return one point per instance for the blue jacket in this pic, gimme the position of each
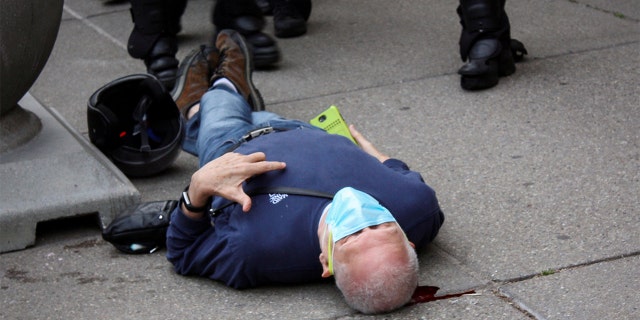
(276, 241)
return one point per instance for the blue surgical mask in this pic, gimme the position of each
(351, 211)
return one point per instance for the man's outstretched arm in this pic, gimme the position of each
(392, 163)
(366, 145)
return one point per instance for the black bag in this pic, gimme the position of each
(141, 228)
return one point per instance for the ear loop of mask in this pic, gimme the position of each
(330, 247)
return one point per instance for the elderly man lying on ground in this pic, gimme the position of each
(270, 230)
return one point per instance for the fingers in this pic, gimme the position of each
(248, 165)
(254, 164)
(246, 204)
(253, 157)
(238, 195)
(257, 164)
(357, 135)
(353, 130)
(360, 139)
(260, 158)
(225, 175)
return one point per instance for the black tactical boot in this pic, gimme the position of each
(161, 61)
(290, 17)
(245, 17)
(486, 44)
(265, 6)
(153, 38)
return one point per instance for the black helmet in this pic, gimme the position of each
(135, 122)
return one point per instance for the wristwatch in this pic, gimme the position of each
(187, 202)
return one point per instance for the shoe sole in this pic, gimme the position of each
(257, 103)
(182, 74)
(291, 32)
(503, 66)
(265, 60)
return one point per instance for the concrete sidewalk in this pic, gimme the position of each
(539, 177)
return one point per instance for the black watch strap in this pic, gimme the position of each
(187, 202)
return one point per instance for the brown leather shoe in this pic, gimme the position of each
(193, 77)
(235, 64)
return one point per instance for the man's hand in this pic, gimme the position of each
(224, 177)
(366, 145)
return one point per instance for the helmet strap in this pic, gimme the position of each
(140, 116)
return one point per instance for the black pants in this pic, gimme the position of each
(492, 14)
(156, 18)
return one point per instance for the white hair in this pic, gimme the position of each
(388, 287)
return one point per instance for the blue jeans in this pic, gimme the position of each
(224, 117)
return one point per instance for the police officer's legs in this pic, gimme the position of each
(153, 38)
(246, 17)
(290, 17)
(486, 44)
